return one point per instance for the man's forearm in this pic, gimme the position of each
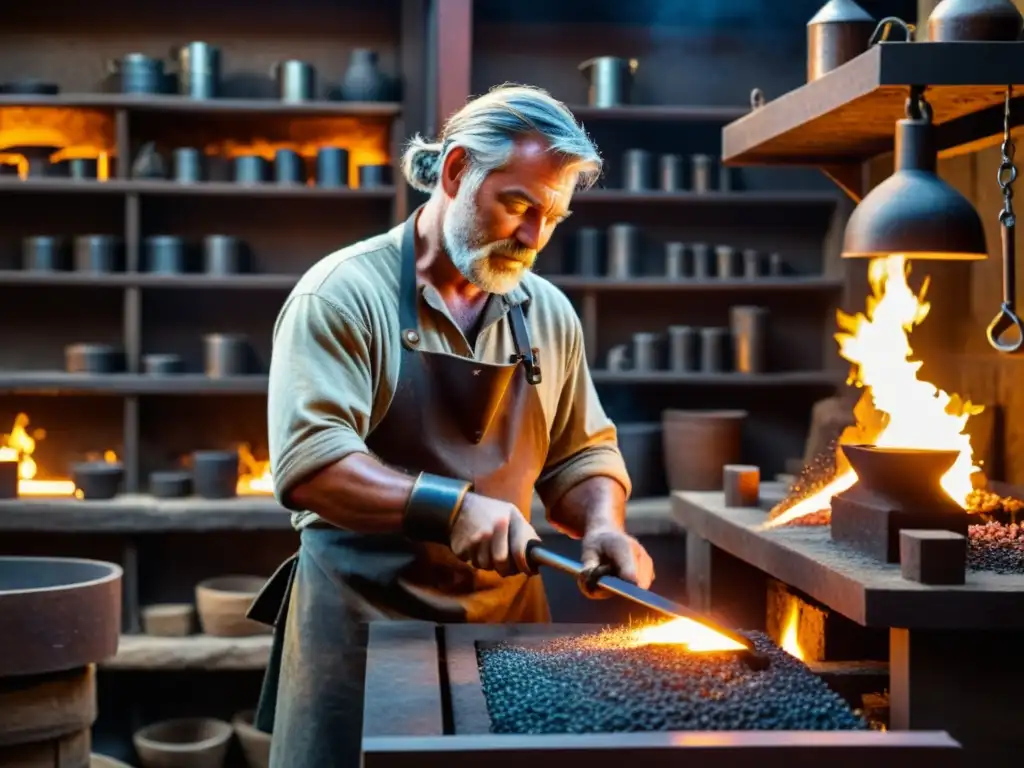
(357, 493)
(597, 502)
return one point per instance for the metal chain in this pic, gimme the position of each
(1007, 170)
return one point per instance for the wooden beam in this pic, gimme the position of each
(849, 178)
(454, 55)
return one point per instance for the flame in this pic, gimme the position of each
(790, 640)
(74, 133)
(911, 413)
(254, 476)
(19, 446)
(693, 635)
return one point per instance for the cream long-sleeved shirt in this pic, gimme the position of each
(335, 366)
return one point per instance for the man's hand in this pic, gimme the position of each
(615, 548)
(492, 535)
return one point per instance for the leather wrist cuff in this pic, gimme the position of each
(432, 506)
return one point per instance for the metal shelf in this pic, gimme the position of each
(659, 113)
(760, 199)
(781, 379)
(149, 188)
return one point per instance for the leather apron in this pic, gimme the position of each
(451, 416)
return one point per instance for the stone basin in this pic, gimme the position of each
(57, 613)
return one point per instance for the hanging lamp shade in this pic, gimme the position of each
(914, 213)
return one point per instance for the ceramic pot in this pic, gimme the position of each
(222, 603)
(255, 743)
(974, 21)
(102, 761)
(197, 742)
(215, 474)
(698, 444)
(363, 79)
(168, 619)
(98, 479)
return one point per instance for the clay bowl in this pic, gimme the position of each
(255, 743)
(194, 742)
(102, 761)
(900, 472)
(168, 619)
(98, 479)
(222, 603)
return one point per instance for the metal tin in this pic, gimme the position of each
(618, 358)
(222, 255)
(725, 178)
(188, 164)
(611, 80)
(701, 261)
(623, 250)
(215, 474)
(589, 248)
(162, 364)
(98, 479)
(139, 73)
(713, 350)
(682, 348)
(225, 354)
(332, 167)
(98, 253)
(250, 169)
(670, 173)
(198, 70)
(93, 358)
(170, 485)
(82, 168)
(749, 338)
(838, 32)
(371, 176)
(700, 170)
(44, 253)
(645, 352)
(289, 167)
(751, 264)
(725, 259)
(636, 170)
(776, 266)
(974, 20)
(164, 254)
(675, 261)
(296, 81)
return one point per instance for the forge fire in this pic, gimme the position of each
(645, 679)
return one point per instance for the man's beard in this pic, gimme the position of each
(496, 267)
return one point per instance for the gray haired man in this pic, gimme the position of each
(423, 384)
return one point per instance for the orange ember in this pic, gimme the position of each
(690, 634)
(74, 133)
(254, 476)
(897, 409)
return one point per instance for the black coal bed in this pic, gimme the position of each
(461, 695)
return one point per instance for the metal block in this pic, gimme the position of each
(933, 556)
(742, 484)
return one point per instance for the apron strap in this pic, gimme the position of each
(521, 340)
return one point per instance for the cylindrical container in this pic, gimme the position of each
(749, 338)
(623, 250)
(188, 165)
(296, 81)
(83, 168)
(670, 173)
(198, 70)
(725, 178)
(974, 21)
(698, 444)
(702, 268)
(645, 352)
(165, 254)
(640, 445)
(162, 364)
(139, 73)
(164, 619)
(250, 169)
(675, 261)
(700, 173)
(838, 32)
(93, 358)
(618, 358)
(775, 265)
(725, 260)
(751, 264)
(589, 241)
(98, 479)
(215, 474)
(170, 485)
(611, 80)
(371, 176)
(10, 473)
(636, 170)
(713, 349)
(289, 167)
(195, 742)
(97, 254)
(44, 253)
(222, 255)
(224, 354)
(682, 348)
(742, 485)
(332, 167)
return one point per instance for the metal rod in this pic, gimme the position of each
(538, 555)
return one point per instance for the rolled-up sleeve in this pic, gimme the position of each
(584, 442)
(320, 390)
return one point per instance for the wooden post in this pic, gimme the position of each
(454, 55)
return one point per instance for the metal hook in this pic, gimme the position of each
(1005, 320)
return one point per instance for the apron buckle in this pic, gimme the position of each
(529, 361)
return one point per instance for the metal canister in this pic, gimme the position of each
(749, 338)
(751, 264)
(44, 253)
(289, 167)
(838, 32)
(611, 80)
(98, 254)
(139, 73)
(222, 255)
(332, 167)
(682, 348)
(675, 261)
(164, 254)
(645, 352)
(188, 165)
(296, 81)
(700, 173)
(713, 343)
(225, 354)
(198, 70)
(701, 260)
(636, 170)
(974, 21)
(250, 169)
(374, 175)
(589, 243)
(623, 250)
(670, 173)
(725, 259)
